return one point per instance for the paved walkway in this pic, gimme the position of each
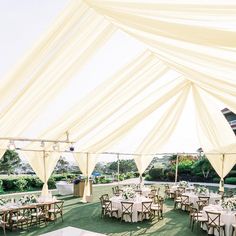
(136, 181)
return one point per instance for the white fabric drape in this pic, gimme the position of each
(43, 164)
(199, 43)
(110, 94)
(86, 163)
(215, 134)
(59, 55)
(161, 132)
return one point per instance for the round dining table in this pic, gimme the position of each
(116, 203)
(226, 217)
(193, 198)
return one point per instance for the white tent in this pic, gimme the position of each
(189, 54)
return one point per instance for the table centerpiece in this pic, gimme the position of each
(229, 204)
(128, 193)
(201, 190)
(183, 184)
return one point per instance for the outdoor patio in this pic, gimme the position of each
(88, 217)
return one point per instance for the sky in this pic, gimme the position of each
(22, 23)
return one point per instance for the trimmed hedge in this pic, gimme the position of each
(30, 183)
(230, 180)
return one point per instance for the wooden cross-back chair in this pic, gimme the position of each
(109, 209)
(214, 221)
(127, 209)
(146, 212)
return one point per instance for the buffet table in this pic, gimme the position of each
(64, 188)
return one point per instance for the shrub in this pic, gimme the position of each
(129, 175)
(148, 177)
(1, 187)
(156, 173)
(108, 180)
(170, 175)
(136, 174)
(230, 180)
(21, 184)
(216, 180)
(232, 173)
(51, 183)
(8, 184)
(38, 183)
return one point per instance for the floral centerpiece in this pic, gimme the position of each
(3, 202)
(27, 199)
(201, 190)
(128, 193)
(229, 204)
(183, 184)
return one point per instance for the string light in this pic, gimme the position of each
(11, 145)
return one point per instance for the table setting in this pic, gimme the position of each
(129, 195)
(227, 208)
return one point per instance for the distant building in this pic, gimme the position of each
(230, 117)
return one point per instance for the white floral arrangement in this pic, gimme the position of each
(27, 199)
(183, 184)
(128, 193)
(229, 204)
(201, 190)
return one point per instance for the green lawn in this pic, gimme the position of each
(87, 216)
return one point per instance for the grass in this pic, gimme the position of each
(87, 216)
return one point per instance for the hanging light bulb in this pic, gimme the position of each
(11, 145)
(56, 147)
(71, 147)
(42, 144)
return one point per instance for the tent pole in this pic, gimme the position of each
(222, 173)
(118, 168)
(176, 169)
(44, 168)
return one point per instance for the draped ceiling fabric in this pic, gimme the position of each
(216, 135)
(68, 45)
(195, 38)
(44, 72)
(161, 132)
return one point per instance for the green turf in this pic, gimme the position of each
(87, 216)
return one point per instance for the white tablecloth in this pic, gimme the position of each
(72, 232)
(175, 187)
(193, 198)
(116, 202)
(227, 218)
(145, 191)
(64, 188)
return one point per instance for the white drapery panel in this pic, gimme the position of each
(43, 164)
(227, 99)
(208, 58)
(86, 163)
(161, 132)
(215, 134)
(200, 22)
(68, 45)
(109, 96)
(118, 128)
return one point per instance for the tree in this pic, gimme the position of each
(204, 166)
(125, 166)
(62, 165)
(9, 162)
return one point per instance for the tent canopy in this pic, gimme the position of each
(183, 56)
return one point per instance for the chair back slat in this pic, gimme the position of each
(127, 207)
